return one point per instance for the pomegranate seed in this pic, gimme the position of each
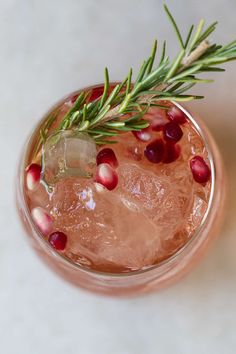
(176, 115)
(58, 240)
(172, 153)
(157, 117)
(154, 151)
(74, 98)
(42, 220)
(106, 176)
(96, 93)
(107, 155)
(158, 124)
(172, 132)
(200, 170)
(143, 135)
(33, 173)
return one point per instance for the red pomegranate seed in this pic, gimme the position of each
(96, 93)
(33, 173)
(143, 135)
(158, 124)
(106, 176)
(58, 240)
(107, 155)
(172, 132)
(176, 115)
(172, 153)
(154, 151)
(157, 118)
(74, 98)
(200, 170)
(42, 220)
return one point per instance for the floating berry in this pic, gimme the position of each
(96, 93)
(107, 155)
(154, 151)
(33, 173)
(74, 98)
(200, 170)
(172, 132)
(157, 118)
(143, 135)
(106, 176)
(158, 124)
(172, 153)
(42, 220)
(176, 115)
(58, 240)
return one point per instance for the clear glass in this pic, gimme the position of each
(156, 277)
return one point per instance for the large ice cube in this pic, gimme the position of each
(101, 228)
(68, 153)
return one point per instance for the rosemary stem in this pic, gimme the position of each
(196, 54)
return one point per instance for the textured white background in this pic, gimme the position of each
(49, 48)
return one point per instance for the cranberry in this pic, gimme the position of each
(106, 176)
(172, 132)
(176, 115)
(155, 150)
(107, 155)
(172, 153)
(200, 170)
(58, 240)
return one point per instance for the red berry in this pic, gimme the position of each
(107, 155)
(106, 176)
(200, 170)
(143, 135)
(157, 118)
(74, 98)
(176, 115)
(172, 153)
(154, 151)
(158, 124)
(172, 132)
(58, 240)
(96, 93)
(42, 220)
(33, 173)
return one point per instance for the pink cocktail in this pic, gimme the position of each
(128, 217)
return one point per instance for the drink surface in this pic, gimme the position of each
(126, 209)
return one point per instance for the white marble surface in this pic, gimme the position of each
(49, 48)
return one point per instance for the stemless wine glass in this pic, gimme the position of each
(136, 282)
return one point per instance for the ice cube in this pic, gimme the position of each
(155, 196)
(68, 153)
(101, 228)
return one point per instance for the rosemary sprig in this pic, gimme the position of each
(168, 80)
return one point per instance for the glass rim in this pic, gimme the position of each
(154, 267)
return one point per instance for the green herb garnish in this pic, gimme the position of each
(168, 80)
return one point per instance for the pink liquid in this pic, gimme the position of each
(153, 212)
